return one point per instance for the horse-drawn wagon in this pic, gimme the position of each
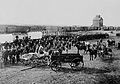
(75, 61)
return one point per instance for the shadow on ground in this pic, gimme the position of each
(109, 60)
(84, 70)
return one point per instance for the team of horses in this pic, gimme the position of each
(100, 49)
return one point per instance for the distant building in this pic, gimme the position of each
(97, 21)
(17, 29)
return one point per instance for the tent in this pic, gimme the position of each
(6, 37)
(35, 35)
(20, 35)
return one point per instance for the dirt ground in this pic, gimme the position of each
(98, 71)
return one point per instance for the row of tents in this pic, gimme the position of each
(38, 35)
(10, 37)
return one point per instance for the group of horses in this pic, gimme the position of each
(98, 49)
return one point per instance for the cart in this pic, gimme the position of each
(75, 61)
(33, 59)
(104, 56)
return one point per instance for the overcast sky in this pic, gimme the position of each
(59, 12)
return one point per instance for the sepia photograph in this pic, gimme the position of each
(59, 42)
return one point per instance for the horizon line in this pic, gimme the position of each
(50, 25)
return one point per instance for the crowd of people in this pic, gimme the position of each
(12, 51)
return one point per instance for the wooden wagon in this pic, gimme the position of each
(75, 61)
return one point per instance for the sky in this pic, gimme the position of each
(59, 12)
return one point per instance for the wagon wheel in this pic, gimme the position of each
(55, 65)
(34, 63)
(46, 60)
(21, 61)
(26, 62)
(76, 63)
(110, 56)
(102, 55)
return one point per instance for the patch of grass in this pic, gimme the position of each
(108, 79)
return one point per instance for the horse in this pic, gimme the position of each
(111, 43)
(92, 51)
(81, 46)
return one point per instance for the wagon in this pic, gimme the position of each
(75, 61)
(104, 56)
(34, 59)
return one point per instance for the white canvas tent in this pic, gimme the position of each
(35, 35)
(6, 37)
(20, 35)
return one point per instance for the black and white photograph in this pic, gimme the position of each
(59, 42)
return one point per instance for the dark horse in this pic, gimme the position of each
(81, 47)
(92, 53)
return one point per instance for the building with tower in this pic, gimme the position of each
(97, 22)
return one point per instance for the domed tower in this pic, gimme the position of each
(98, 21)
